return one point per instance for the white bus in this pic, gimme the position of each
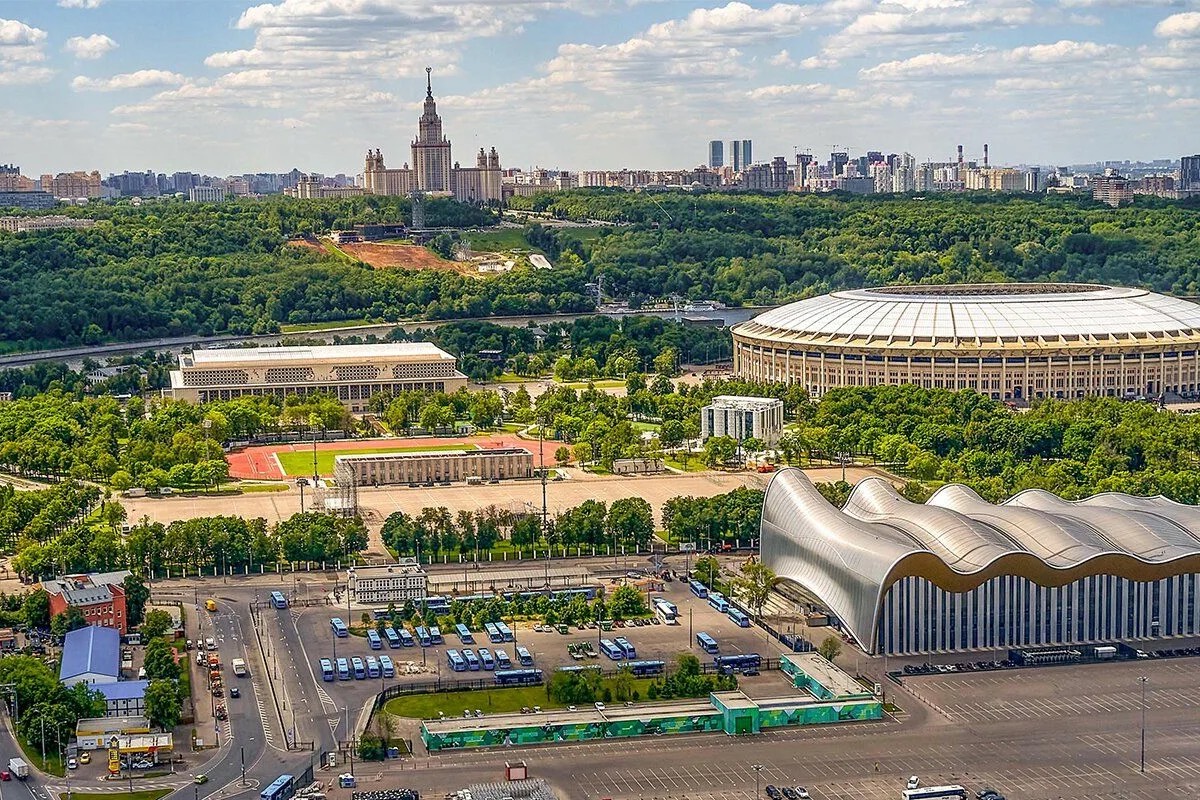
(934, 792)
(666, 612)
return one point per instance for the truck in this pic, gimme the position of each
(18, 767)
(239, 668)
(1106, 652)
(210, 604)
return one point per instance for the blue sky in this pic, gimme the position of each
(231, 86)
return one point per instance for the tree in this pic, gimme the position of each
(630, 521)
(583, 453)
(625, 602)
(755, 583)
(830, 648)
(163, 703)
(666, 362)
(719, 450)
(160, 660)
(136, 595)
(37, 609)
(70, 620)
(157, 623)
(707, 569)
(562, 455)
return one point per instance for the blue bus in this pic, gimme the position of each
(739, 662)
(393, 638)
(456, 661)
(464, 634)
(502, 660)
(518, 677)
(326, 669)
(343, 669)
(738, 618)
(707, 643)
(438, 605)
(278, 600)
(487, 659)
(339, 628)
(435, 635)
(506, 632)
(644, 668)
(360, 669)
(374, 640)
(385, 664)
(932, 792)
(372, 667)
(611, 650)
(406, 638)
(580, 668)
(423, 636)
(493, 633)
(698, 588)
(473, 663)
(626, 647)
(282, 788)
(524, 656)
(718, 602)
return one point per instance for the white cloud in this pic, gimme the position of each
(21, 47)
(90, 47)
(142, 79)
(89, 4)
(949, 66)
(1062, 51)
(14, 33)
(1179, 26)
(781, 59)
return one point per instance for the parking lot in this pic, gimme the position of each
(549, 649)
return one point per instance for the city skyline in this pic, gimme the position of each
(230, 87)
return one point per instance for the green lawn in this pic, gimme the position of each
(694, 464)
(257, 488)
(638, 425)
(301, 462)
(147, 794)
(602, 383)
(301, 327)
(498, 240)
(53, 763)
(489, 701)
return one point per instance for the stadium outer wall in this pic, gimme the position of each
(1013, 342)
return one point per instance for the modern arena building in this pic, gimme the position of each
(958, 573)
(1015, 342)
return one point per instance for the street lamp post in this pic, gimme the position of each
(758, 768)
(1143, 680)
(302, 482)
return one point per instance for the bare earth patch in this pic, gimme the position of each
(405, 256)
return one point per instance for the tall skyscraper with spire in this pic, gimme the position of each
(431, 149)
(433, 170)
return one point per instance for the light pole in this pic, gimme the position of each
(302, 482)
(1143, 680)
(758, 768)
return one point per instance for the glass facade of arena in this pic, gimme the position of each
(1010, 611)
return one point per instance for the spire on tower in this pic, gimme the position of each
(428, 82)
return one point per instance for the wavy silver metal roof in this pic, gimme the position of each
(987, 312)
(958, 540)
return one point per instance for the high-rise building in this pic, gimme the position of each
(734, 161)
(1033, 180)
(72, 185)
(838, 162)
(1112, 189)
(747, 153)
(1189, 175)
(716, 154)
(431, 149)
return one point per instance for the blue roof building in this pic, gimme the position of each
(91, 655)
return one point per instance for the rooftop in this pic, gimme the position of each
(335, 352)
(122, 690)
(744, 402)
(86, 590)
(92, 649)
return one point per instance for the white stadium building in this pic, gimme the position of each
(1015, 342)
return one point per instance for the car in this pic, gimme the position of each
(235, 691)
(802, 793)
(85, 757)
(143, 764)
(599, 706)
(5, 775)
(913, 783)
(72, 763)
(209, 644)
(200, 779)
(790, 793)
(773, 792)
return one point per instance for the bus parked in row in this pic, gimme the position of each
(339, 628)
(666, 611)
(406, 638)
(698, 588)
(435, 635)
(502, 660)
(610, 649)
(707, 643)
(393, 638)
(423, 636)
(524, 656)
(326, 669)
(487, 659)
(473, 663)
(718, 601)
(343, 666)
(738, 618)
(456, 661)
(626, 647)
(646, 668)
(385, 664)
(374, 640)
(464, 634)
(493, 633)
(517, 677)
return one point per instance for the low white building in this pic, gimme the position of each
(390, 583)
(742, 418)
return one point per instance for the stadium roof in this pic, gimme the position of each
(91, 650)
(334, 352)
(957, 541)
(974, 313)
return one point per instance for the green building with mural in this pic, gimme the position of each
(825, 695)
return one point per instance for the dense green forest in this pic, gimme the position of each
(174, 268)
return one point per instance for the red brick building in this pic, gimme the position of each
(100, 596)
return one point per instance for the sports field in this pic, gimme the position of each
(300, 461)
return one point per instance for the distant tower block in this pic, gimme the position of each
(985, 156)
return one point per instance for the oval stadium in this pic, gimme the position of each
(1015, 342)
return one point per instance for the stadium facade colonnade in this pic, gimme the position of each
(958, 573)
